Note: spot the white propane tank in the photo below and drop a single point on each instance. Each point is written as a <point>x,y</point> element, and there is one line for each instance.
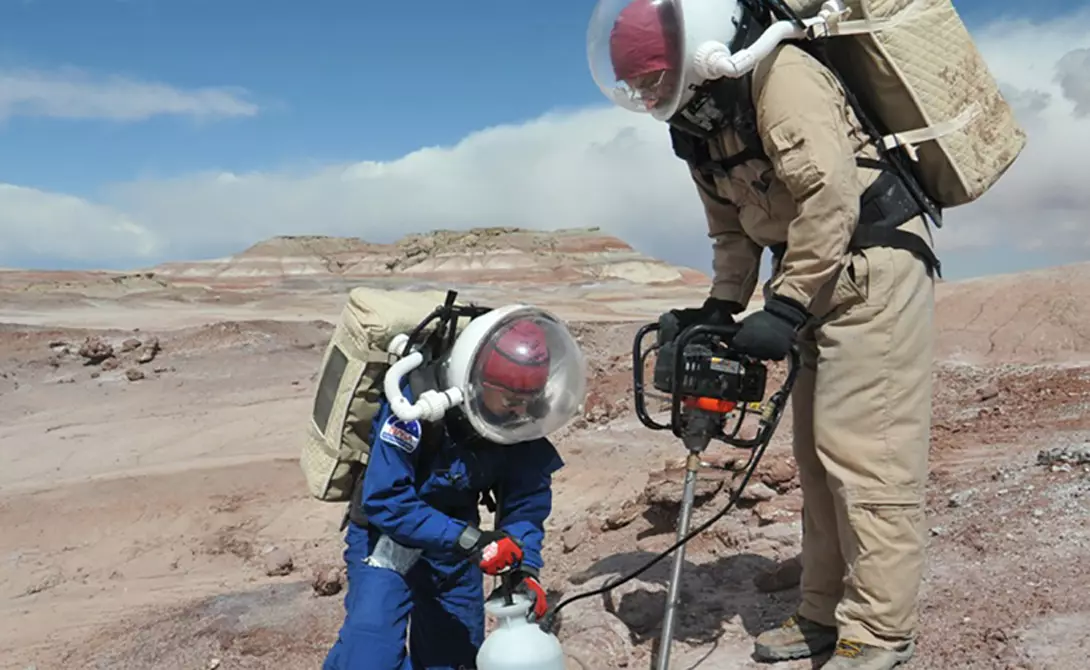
<point>517,644</point>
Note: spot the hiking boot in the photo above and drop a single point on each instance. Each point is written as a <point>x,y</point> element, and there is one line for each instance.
<point>852,655</point>
<point>798,637</point>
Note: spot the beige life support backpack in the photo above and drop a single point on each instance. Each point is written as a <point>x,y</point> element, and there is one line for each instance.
<point>914,66</point>
<point>349,387</point>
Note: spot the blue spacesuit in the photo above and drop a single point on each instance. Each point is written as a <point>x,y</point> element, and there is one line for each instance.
<point>422,488</point>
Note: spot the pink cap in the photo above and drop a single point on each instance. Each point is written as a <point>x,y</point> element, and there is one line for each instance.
<point>638,44</point>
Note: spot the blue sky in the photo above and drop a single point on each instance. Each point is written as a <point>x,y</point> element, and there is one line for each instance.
<point>120,113</point>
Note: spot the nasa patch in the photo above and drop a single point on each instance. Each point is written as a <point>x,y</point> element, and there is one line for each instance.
<point>405,435</point>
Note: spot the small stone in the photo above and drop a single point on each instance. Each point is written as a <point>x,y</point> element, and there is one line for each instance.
<point>328,581</point>
<point>786,575</point>
<point>622,517</point>
<point>787,507</point>
<point>573,537</point>
<point>134,375</point>
<point>959,499</point>
<point>130,344</point>
<point>757,492</point>
<point>95,350</point>
<point>278,563</point>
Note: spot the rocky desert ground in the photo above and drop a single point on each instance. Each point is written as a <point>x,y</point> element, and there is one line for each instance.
<point>153,513</point>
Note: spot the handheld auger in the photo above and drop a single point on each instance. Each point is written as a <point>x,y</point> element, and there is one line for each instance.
<point>708,383</point>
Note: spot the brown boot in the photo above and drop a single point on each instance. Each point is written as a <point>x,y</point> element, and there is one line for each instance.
<point>798,637</point>
<point>852,655</point>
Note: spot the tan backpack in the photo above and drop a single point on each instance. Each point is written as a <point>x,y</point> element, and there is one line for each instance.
<point>914,66</point>
<point>349,386</point>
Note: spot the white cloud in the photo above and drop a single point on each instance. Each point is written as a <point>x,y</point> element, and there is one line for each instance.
<point>73,94</point>
<point>615,169</point>
<point>1042,203</point>
<point>38,224</point>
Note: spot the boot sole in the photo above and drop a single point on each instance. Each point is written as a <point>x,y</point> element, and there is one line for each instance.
<point>791,652</point>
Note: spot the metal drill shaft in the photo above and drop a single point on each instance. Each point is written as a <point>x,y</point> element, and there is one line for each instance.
<point>688,495</point>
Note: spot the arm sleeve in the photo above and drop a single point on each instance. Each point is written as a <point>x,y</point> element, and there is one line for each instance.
<point>390,500</point>
<point>736,259</point>
<point>526,499</point>
<point>801,118</point>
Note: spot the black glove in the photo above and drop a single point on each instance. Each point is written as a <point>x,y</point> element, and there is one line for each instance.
<point>714,312</point>
<point>769,333</point>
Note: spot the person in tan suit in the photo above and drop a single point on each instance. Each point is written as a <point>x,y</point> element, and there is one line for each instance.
<point>782,161</point>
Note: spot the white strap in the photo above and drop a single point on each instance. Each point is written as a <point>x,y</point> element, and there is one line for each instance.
<point>910,138</point>
<point>835,25</point>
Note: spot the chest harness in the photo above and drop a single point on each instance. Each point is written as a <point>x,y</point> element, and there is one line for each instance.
<point>892,199</point>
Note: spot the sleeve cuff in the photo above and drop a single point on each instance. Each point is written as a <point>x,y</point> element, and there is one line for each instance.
<point>460,535</point>
<point>788,290</point>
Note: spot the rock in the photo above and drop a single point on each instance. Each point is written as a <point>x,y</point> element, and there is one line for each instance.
<point>328,580</point>
<point>731,532</point>
<point>959,499</point>
<point>278,563</point>
<point>780,534</point>
<point>986,392</point>
<point>593,638</point>
<point>110,364</point>
<point>134,375</point>
<point>778,472</point>
<point>624,516</point>
<point>597,409</point>
<point>666,487</point>
<point>787,507</point>
<point>95,350</point>
<point>573,537</point>
<point>785,575</point>
<point>1066,455</point>
<point>130,344</point>
<point>150,350</point>
<point>757,492</point>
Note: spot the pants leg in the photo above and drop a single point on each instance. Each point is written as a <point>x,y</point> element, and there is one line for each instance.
<point>377,606</point>
<point>448,626</point>
<point>822,564</point>
<point>872,419</point>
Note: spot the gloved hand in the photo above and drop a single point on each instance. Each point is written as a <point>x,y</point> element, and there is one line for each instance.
<point>499,552</point>
<point>527,585</point>
<point>714,312</point>
<point>769,333</point>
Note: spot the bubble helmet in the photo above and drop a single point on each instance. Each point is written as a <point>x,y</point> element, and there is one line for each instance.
<point>521,373</point>
<point>640,52</point>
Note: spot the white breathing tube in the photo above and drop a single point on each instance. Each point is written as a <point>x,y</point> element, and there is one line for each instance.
<point>713,60</point>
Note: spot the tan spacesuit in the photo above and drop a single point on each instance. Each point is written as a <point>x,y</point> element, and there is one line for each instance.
<point>791,169</point>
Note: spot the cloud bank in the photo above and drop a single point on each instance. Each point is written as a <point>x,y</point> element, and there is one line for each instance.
<point>601,166</point>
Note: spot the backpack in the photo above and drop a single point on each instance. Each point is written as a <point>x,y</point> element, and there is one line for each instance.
<point>349,388</point>
<point>913,67</point>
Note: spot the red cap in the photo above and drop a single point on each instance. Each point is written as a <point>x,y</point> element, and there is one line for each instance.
<point>517,360</point>
<point>639,43</point>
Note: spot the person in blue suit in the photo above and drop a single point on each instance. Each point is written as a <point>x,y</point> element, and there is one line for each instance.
<point>415,550</point>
